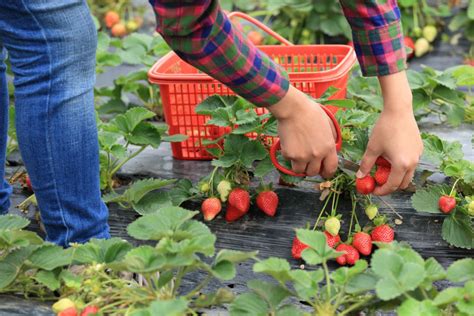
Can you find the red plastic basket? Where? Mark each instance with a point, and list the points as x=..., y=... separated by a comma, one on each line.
x=311, y=68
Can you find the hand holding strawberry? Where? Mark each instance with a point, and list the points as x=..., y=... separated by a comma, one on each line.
x=395, y=136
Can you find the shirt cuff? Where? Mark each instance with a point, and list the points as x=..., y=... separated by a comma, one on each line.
x=380, y=51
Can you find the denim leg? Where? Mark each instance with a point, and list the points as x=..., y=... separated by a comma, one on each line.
x=52, y=48
x=5, y=188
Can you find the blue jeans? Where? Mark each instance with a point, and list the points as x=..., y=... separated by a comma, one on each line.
x=51, y=45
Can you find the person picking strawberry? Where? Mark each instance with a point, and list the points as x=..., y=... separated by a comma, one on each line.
x=202, y=35
x=52, y=54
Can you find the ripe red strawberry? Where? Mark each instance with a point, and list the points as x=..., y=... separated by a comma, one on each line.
x=365, y=185
x=382, y=162
x=28, y=183
x=240, y=199
x=71, y=311
x=446, y=203
x=383, y=233
x=350, y=257
x=332, y=240
x=411, y=44
x=297, y=248
x=363, y=243
x=381, y=175
x=90, y=310
x=267, y=201
x=232, y=214
x=210, y=207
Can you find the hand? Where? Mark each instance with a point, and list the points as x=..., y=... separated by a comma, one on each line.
x=307, y=135
x=395, y=136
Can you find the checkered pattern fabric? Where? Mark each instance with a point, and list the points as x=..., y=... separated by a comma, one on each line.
x=202, y=35
x=377, y=35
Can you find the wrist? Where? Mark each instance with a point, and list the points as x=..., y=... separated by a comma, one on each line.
x=396, y=93
x=289, y=105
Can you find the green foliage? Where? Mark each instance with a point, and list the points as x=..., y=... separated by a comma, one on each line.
x=178, y=245
x=116, y=137
x=401, y=278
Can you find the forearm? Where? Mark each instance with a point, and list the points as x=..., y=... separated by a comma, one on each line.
x=377, y=35
x=396, y=92
x=202, y=35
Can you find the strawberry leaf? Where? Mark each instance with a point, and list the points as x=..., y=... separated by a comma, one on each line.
x=458, y=230
x=101, y=251
x=461, y=270
x=50, y=279
x=276, y=267
x=249, y=304
x=426, y=200
x=11, y=222
x=274, y=294
x=50, y=257
x=412, y=307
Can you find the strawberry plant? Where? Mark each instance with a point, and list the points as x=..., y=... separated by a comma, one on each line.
x=132, y=89
x=458, y=228
x=396, y=278
x=125, y=130
x=91, y=276
x=463, y=25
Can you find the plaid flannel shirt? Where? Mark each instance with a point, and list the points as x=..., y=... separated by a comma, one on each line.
x=202, y=35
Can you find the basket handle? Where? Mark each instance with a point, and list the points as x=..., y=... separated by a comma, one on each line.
x=261, y=26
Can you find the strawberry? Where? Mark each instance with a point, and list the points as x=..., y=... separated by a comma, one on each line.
x=363, y=243
x=267, y=201
x=365, y=185
x=350, y=256
x=119, y=30
x=331, y=240
x=422, y=46
x=131, y=26
x=382, y=162
x=381, y=175
x=90, y=310
x=470, y=208
x=446, y=203
x=232, y=214
x=63, y=304
x=28, y=183
x=111, y=18
x=255, y=37
x=382, y=233
x=240, y=199
x=297, y=248
x=410, y=44
x=332, y=225
x=371, y=211
x=71, y=311
x=224, y=187
x=210, y=208
x=430, y=32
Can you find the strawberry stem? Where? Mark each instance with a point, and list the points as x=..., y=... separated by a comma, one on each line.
x=453, y=192
x=322, y=211
x=353, y=215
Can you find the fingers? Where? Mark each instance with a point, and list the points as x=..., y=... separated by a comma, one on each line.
x=329, y=165
x=314, y=167
x=408, y=178
x=299, y=166
x=367, y=162
x=397, y=175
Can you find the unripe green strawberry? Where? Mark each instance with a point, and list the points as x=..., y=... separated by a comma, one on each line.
x=63, y=304
x=204, y=187
x=224, y=187
x=422, y=46
x=371, y=211
x=470, y=208
x=430, y=32
x=332, y=225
